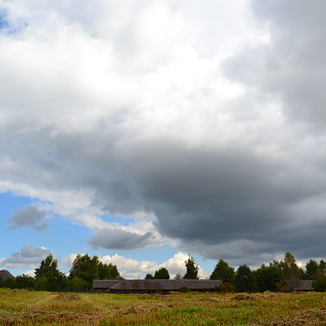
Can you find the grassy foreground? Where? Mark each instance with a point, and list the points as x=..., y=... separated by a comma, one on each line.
x=20, y=307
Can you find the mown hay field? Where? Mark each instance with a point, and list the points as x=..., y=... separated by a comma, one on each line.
x=20, y=307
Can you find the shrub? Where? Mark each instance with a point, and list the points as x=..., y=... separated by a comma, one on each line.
x=319, y=282
x=184, y=289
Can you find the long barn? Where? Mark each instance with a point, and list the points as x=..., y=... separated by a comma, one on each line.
x=153, y=286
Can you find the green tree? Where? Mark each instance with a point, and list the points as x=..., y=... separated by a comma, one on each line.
x=41, y=284
x=162, y=274
x=191, y=269
x=85, y=268
x=9, y=283
x=47, y=265
x=77, y=284
x=267, y=277
x=89, y=268
x=291, y=269
x=319, y=281
x=107, y=271
x=48, y=277
x=245, y=280
x=149, y=277
x=311, y=268
x=322, y=266
x=223, y=272
x=25, y=282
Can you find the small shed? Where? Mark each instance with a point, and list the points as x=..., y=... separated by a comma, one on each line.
x=4, y=274
x=295, y=285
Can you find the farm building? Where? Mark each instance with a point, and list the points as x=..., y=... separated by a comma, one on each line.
x=153, y=286
x=4, y=274
x=295, y=285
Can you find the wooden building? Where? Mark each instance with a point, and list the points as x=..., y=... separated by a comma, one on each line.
x=295, y=285
x=4, y=274
x=153, y=286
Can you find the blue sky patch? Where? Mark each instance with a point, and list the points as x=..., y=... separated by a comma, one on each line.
x=117, y=219
x=3, y=20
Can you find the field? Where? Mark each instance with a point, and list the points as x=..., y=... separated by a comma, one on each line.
x=20, y=307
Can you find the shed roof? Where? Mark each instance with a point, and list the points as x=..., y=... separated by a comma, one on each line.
x=296, y=285
x=5, y=274
x=104, y=284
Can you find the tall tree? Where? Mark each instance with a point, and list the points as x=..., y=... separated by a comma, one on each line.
x=223, y=272
x=178, y=276
x=48, y=277
x=267, y=277
x=87, y=269
x=191, y=269
x=25, y=282
x=311, y=268
x=149, y=277
x=107, y=271
x=162, y=273
x=322, y=266
x=291, y=269
x=245, y=280
x=49, y=264
x=319, y=281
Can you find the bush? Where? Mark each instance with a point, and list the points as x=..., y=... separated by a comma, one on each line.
x=184, y=289
x=226, y=288
x=319, y=282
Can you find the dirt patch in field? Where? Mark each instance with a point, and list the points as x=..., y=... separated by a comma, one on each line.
x=65, y=297
x=244, y=296
x=13, y=291
x=140, y=309
x=310, y=317
x=210, y=299
x=40, y=317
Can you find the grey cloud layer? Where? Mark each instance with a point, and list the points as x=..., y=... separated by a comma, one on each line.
x=119, y=239
x=243, y=179
x=27, y=255
x=28, y=216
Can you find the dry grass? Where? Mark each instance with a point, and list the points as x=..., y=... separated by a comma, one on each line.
x=44, y=308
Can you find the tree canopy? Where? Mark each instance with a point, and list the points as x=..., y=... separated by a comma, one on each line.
x=162, y=273
x=223, y=272
x=192, y=269
x=88, y=269
x=245, y=280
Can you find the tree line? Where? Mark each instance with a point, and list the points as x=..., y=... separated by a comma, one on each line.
x=48, y=277
x=85, y=269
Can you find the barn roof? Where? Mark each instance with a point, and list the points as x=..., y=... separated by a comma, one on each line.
x=5, y=274
x=152, y=285
x=296, y=285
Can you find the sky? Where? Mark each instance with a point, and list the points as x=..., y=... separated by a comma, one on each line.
x=147, y=131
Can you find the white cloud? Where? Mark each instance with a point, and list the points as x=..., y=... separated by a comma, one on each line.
x=27, y=255
x=180, y=115
x=131, y=268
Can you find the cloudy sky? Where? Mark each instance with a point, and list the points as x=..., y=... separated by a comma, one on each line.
x=143, y=131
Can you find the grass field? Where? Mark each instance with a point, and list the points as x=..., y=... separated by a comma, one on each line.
x=20, y=307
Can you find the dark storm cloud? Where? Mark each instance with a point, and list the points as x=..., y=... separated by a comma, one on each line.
x=291, y=66
x=210, y=198
x=119, y=239
x=28, y=216
x=241, y=179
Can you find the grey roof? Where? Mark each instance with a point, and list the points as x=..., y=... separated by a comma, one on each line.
x=152, y=285
x=104, y=284
x=5, y=274
x=296, y=285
